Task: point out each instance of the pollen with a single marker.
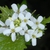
(33, 36)
(37, 23)
(17, 22)
(25, 20)
(12, 30)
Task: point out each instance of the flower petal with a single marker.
(39, 34)
(18, 29)
(28, 15)
(41, 26)
(13, 37)
(25, 12)
(33, 19)
(33, 41)
(23, 24)
(21, 16)
(21, 32)
(1, 23)
(27, 37)
(22, 8)
(7, 22)
(7, 32)
(2, 29)
(25, 28)
(14, 16)
(30, 23)
(14, 7)
(40, 18)
(12, 25)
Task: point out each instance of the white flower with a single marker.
(12, 30)
(2, 29)
(25, 33)
(7, 23)
(33, 35)
(3, 26)
(20, 10)
(37, 22)
(25, 19)
(14, 17)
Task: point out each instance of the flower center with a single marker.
(37, 23)
(12, 30)
(17, 22)
(26, 32)
(33, 36)
(25, 20)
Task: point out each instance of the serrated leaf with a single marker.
(46, 20)
(7, 44)
(5, 13)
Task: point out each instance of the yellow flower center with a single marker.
(26, 32)
(33, 36)
(12, 30)
(25, 20)
(17, 22)
(37, 23)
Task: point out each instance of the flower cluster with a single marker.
(20, 22)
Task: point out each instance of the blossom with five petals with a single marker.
(12, 30)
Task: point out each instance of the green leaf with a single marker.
(7, 44)
(24, 2)
(46, 20)
(5, 13)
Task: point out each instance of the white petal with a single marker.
(21, 32)
(25, 28)
(21, 16)
(7, 22)
(18, 29)
(40, 18)
(33, 41)
(23, 7)
(39, 34)
(1, 23)
(14, 16)
(28, 15)
(30, 23)
(33, 19)
(30, 31)
(13, 37)
(27, 37)
(12, 25)
(7, 32)
(2, 29)
(14, 7)
(41, 26)
(34, 27)
(25, 12)
(23, 24)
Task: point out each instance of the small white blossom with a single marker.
(12, 30)
(20, 10)
(25, 33)
(25, 19)
(35, 34)
(37, 22)
(4, 26)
